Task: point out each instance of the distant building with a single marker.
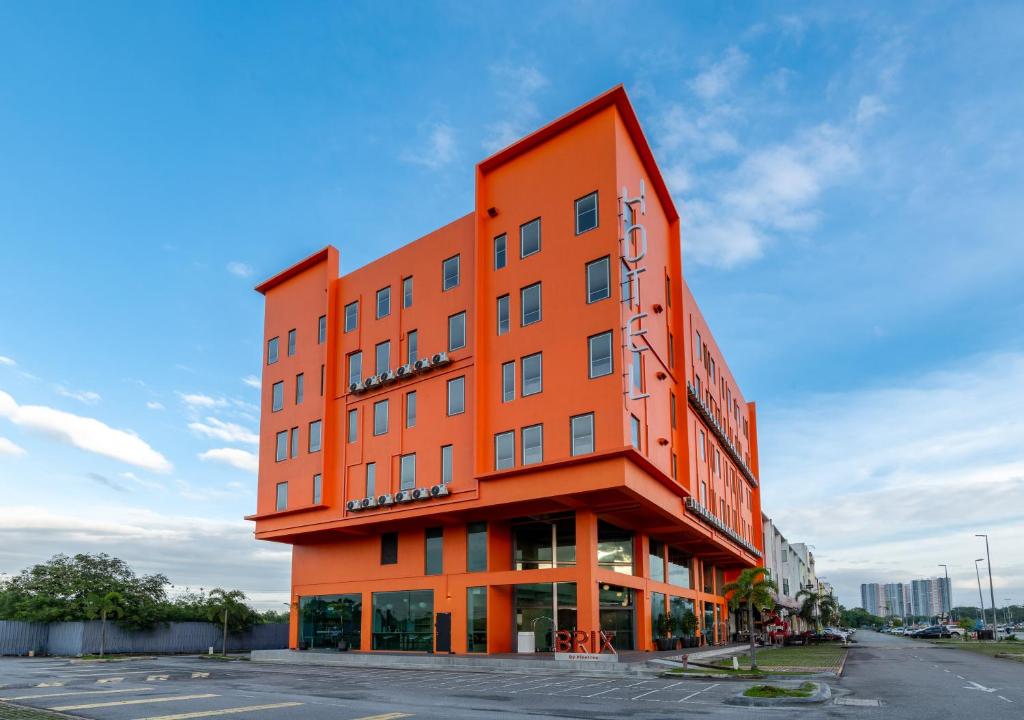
(791, 566)
(873, 599)
(929, 597)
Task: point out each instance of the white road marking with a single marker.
(51, 684)
(659, 689)
(78, 692)
(152, 678)
(107, 681)
(114, 703)
(200, 675)
(961, 677)
(699, 692)
(1003, 698)
(977, 686)
(229, 711)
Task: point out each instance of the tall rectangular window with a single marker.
(476, 547)
(434, 561)
(355, 367)
(581, 428)
(300, 388)
(380, 417)
(530, 304)
(586, 213)
(529, 238)
(600, 351)
(323, 377)
(634, 428)
(295, 442)
(382, 359)
(675, 467)
(314, 435)
(272, 350)
(352, 316)
(672, 407)
(503, 314)
(532, 443)
(598, 280)
(508, 381)
(698, 355)
(656, 560)
(282, 496)
(383, 302)
(407, 292)
(532, 382)
(291, 342)
(410, 409)
(457, 331)
(702, 446)
(277, 396)
(476, 619)
(412, 346)
(637, 371)
(447, 464)
(407, 472)
(671, 351)
(371, 479)
(504, 450)
(281, 446)
(389, 548)
(321, 330)
(500, 251)
(450, 273)
(457, 396)
(625, 283)
(318, 489)
(353, 425)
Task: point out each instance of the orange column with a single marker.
(588, 616)
(641, 598)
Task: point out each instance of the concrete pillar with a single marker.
(588, 615)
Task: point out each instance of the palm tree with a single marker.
(752, 589)
(104, 606)
(817, 607)
(225, 604)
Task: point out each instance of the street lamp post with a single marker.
(949, 591)
(1009, 611)
(981, 597)
(992, 592)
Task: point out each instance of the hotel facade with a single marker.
(518, 423)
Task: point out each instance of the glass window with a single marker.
(508, 381)
(314, 436)
(533, 444)
(672, 407)
(702, 445)
(657, 613)
(318, 489)
(371, 479)
(530, 301)
(295, 442)
(636, 371)
(380, 417)
(625, 284)
(582, 430)
(504, 450)
(600, 349)
(323, 375)
(410, 409)
(532, 372)
(355, 367)
(614, 548)
(679, 568)
(476, 547)
(300, 388)
(351, 316)
(698, 355)
(447, 462)
(389, 548)
(277, 393)
(450, 273)
(383, 302)
(656, 560)
(281, 447)
(321, 330)
(353, 425)
(457, 396)
(586, 213)
(671, 351)
(500, 249)
(434, 564)
(272, 350)
(457, 331)
(598, 280)
(529, 238)
(282, 496)
(543, 544)
(407, 476)
(634, 429)
(383, 357)
(412, 346)
(325, 621)
(476, 619)
(503, 315)
(291, 342)
(407, 292)
(403, 620)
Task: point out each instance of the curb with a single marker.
(822, 693)
(87, 661)
(842, 665)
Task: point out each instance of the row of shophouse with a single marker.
(791, 566)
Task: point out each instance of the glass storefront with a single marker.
(679, 568)
(476, 619)
(403, 620)
(618, 615)
(543, 608)
(657, 613)
(330, 621)
(543, 544)
(614, 548)
(656, 560)
(709, 622)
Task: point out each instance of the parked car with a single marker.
(934, 631)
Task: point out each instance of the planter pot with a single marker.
(343, 645)
(665, 643)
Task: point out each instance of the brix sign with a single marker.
(582, 645)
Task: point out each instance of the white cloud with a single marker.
(198, 400)
(517, 85)
(226, 431)
(241, 459)
(719, 78)
(253, 381)
(869, 107)
(4, 360)
(240, 269)
(9, 448)
(438, 150)
(85, 433)
(154, 405)
(85, 396)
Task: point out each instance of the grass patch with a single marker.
(714, 672)
(774, 691)
(17, 712)
(812, 657)
(1001, 649)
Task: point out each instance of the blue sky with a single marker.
(849, 179)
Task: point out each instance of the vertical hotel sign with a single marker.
(634, 250)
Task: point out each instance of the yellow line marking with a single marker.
(386, 716)
(79, 692)
(228, 711)
(133, 702)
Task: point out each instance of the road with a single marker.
(886, 677)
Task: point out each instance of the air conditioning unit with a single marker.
(440, 358)
(385, 500)
(355, 387)
(421, 365)
(421, 494)
(388, 376)
(354, 505)
(403, 496)
(369, 382)
(404, 370)
(367, 503)
(439, 490)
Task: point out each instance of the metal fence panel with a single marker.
(19, 638)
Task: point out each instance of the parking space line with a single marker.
(386, 716)
(78, 692)
(651, 692)
(698, 692)
(226, 711)
(1004, 699)
(140, 701)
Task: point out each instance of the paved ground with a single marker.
(910, 679)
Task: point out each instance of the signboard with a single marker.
(634, 249)
(584, 646)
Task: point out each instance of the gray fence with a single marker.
(83, 638)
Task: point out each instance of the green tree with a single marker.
(104, 606)
(858, 617)
(818, 607)
(751, 589)
(228, 607)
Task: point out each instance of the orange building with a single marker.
(517, 423)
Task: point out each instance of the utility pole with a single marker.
(981, 597)
(992, 592)
(949, 591)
